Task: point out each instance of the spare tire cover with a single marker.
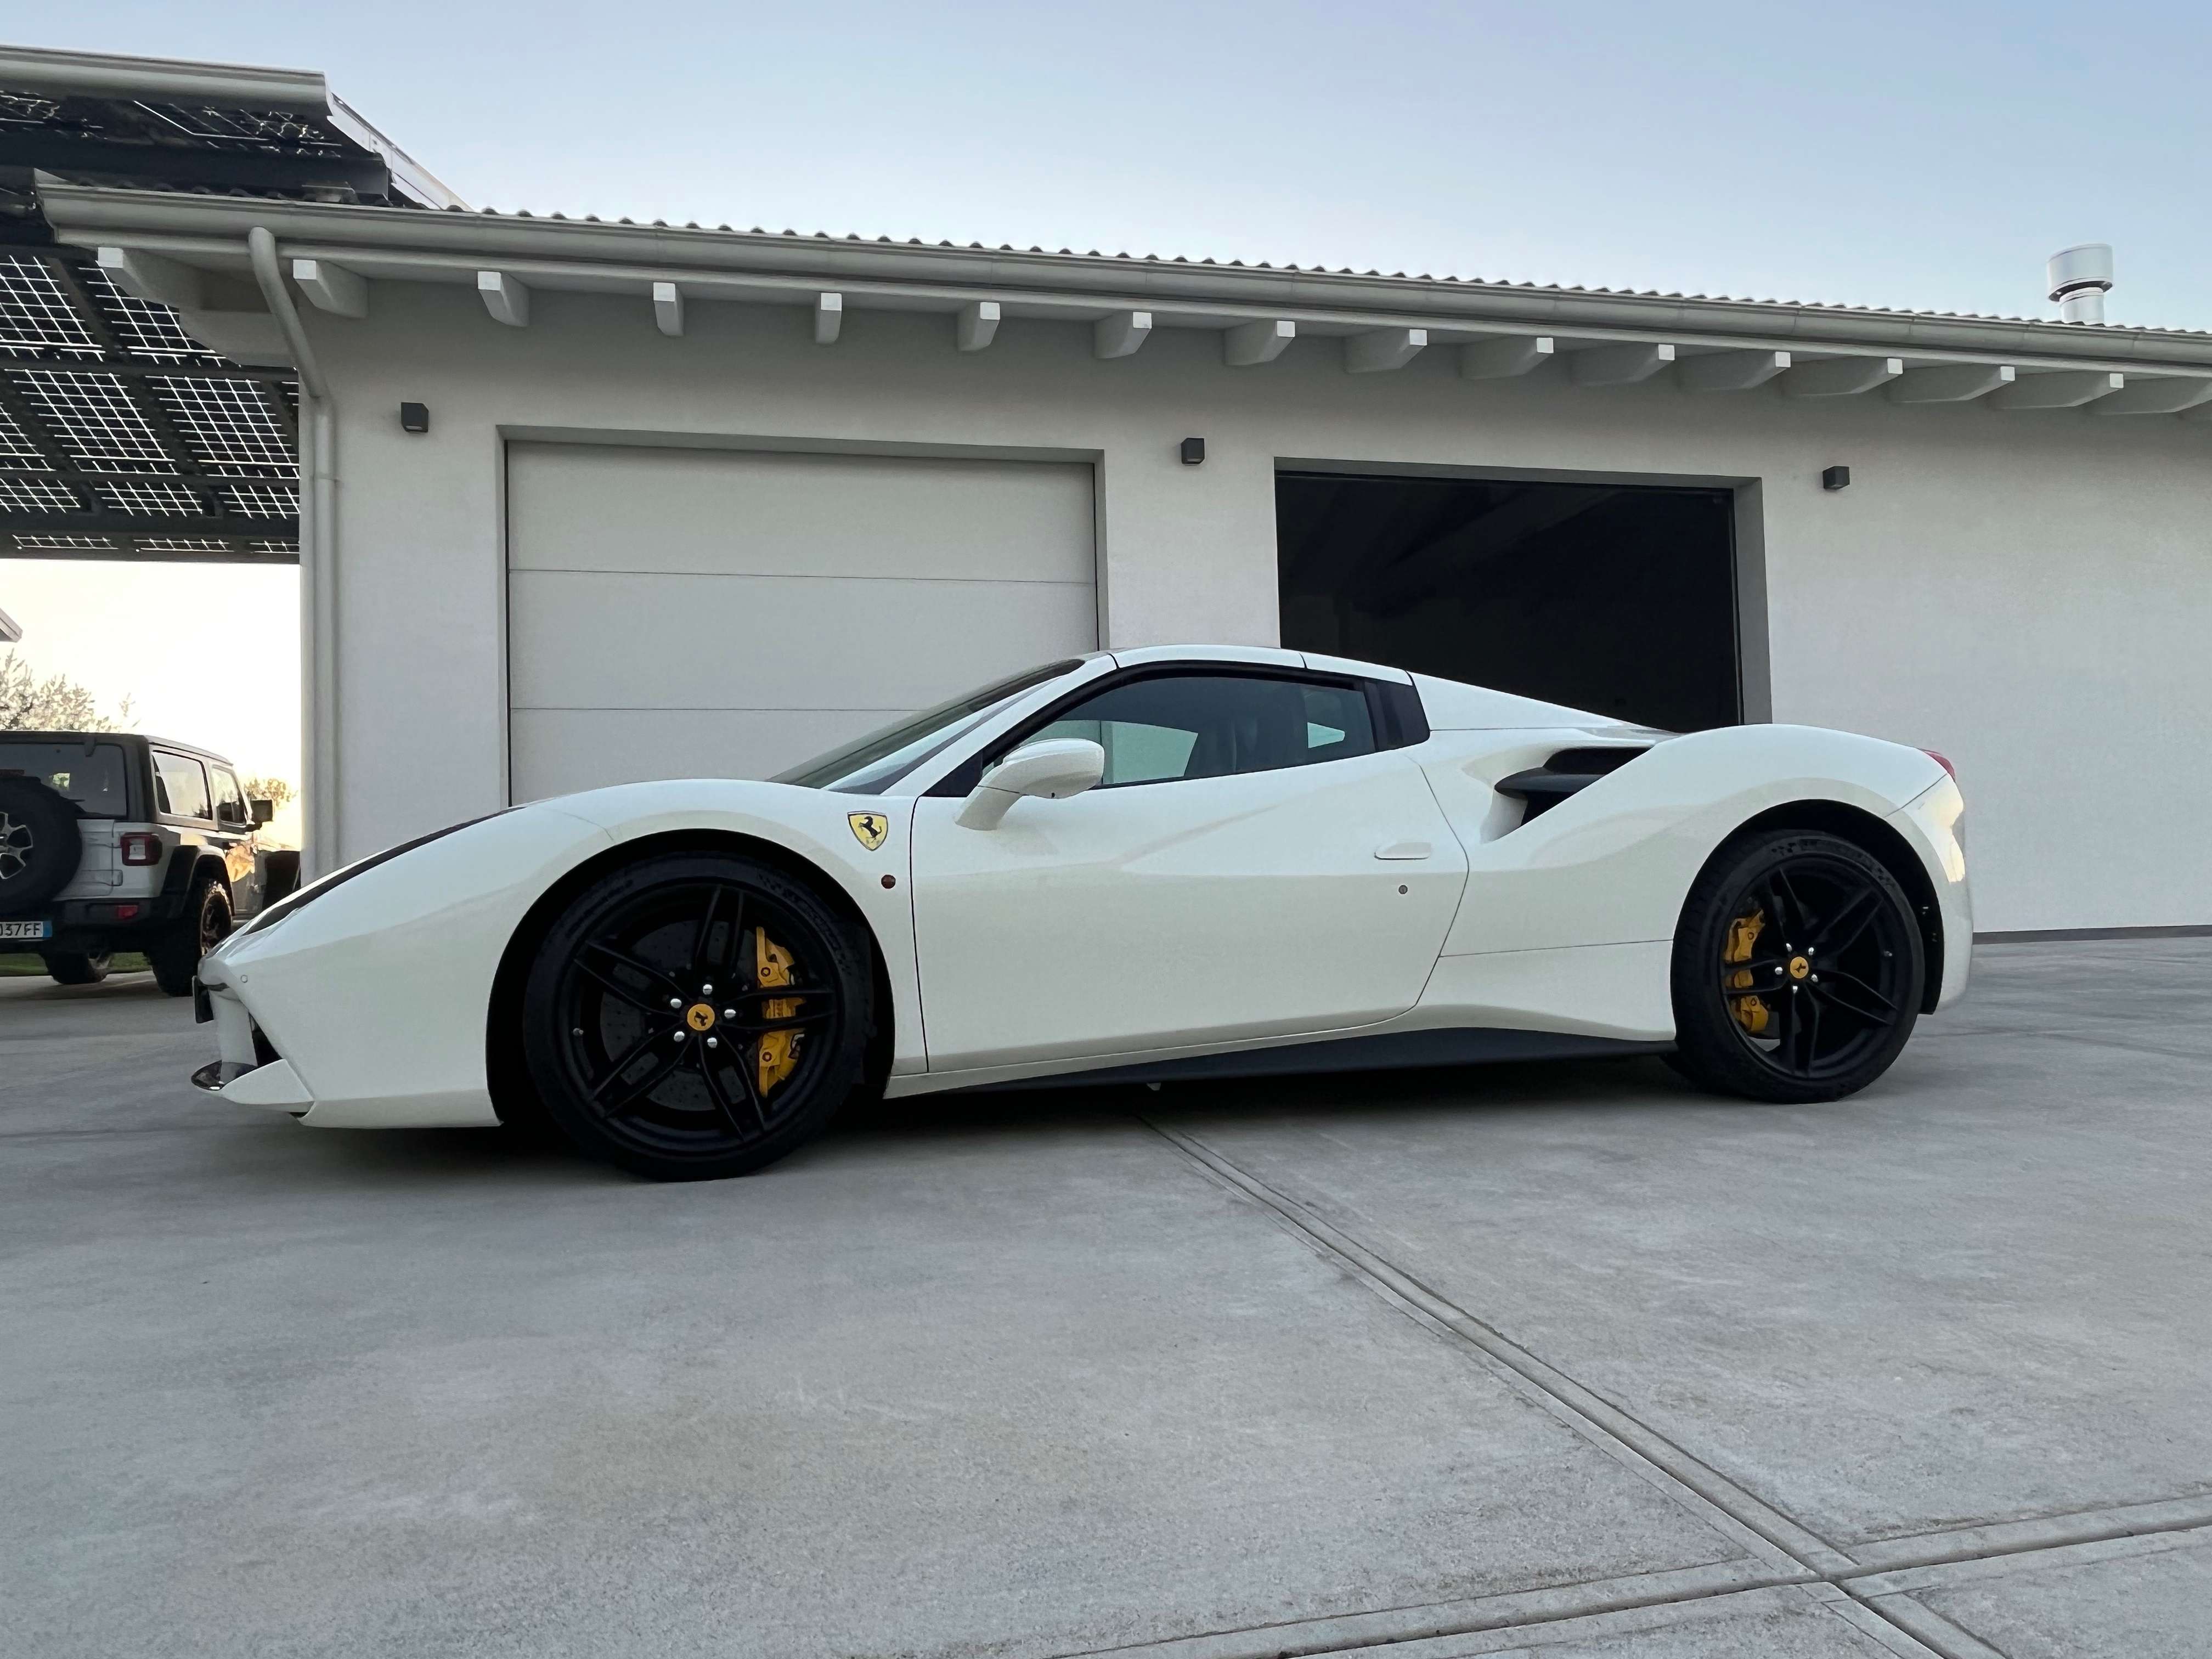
(39, 845)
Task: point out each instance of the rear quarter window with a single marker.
(181, 786)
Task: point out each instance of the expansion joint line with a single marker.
(1793, 1555)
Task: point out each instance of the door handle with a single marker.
(1403, 849)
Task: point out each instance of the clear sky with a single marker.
(1921, 155)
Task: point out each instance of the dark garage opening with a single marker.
(1617, 598)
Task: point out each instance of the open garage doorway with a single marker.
(1618, 598)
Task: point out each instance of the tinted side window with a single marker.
(181, 786)
(1213, 725)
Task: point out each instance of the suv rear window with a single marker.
(91, 775)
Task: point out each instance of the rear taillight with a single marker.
(1943, 761)
(139, 848)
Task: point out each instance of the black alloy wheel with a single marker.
(1798, 970)
(697, 1015)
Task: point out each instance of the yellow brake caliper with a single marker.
(1751, 1012)
(778, 1054)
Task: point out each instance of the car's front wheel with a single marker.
(1798, 968)
(697, 1015)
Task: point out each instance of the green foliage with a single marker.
(56, 703)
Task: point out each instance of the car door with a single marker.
(1251, 865)
(233, 837)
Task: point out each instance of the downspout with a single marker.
(318, 714)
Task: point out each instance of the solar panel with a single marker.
(120, 434)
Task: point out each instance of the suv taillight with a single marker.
(139, 846)
(1944, 762)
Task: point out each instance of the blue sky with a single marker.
(1916, 156)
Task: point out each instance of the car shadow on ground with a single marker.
(534, 1157)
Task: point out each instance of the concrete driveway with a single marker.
(1416, 1365)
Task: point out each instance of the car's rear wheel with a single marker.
(76, 967)
(697, 1015)
(1798, 968)
(175, 957)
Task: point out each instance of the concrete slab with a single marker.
(1021, 1381)
(1973, 1294)
(2136, 1598)
(1765, 1624)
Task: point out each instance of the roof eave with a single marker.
(214, 224)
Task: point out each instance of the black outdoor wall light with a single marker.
(1194, 451)
(1835, 478)
(413, 417)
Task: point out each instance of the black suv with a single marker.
(113, 842)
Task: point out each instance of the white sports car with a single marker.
(1139, 866)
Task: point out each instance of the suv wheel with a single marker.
(76, 967)
(205, 925)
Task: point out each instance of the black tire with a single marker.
(175, 957)
(643, 1066)
(1798, 968)
(76, 967)
(39, 845)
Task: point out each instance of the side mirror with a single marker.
(264, 810)
(1049, 770)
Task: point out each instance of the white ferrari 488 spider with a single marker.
(1140, 866)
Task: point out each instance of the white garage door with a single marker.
(679, 613)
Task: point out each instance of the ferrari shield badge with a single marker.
(869, 829)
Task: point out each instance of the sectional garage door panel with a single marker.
(681, 613)
(563, 749)
(591, 508)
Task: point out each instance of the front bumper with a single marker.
(247, 1068)
(364, 1003)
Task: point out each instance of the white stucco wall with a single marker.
(2031, 593)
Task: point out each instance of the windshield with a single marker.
(869, 765)
(88, 775)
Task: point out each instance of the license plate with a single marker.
(26, 930)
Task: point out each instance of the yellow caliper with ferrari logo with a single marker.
(1751, 1012)
(778, 1056)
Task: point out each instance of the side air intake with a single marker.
(1567, 773)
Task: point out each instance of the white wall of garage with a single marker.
(2030, 593)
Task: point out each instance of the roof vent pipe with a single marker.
(2079, 278)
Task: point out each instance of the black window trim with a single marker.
(1386, 714)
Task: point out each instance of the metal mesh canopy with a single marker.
(122, 436)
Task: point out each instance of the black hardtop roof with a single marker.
(129, 739)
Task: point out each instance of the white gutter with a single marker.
(194, 227)
(318, 629)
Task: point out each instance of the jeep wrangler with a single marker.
(113, 842)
